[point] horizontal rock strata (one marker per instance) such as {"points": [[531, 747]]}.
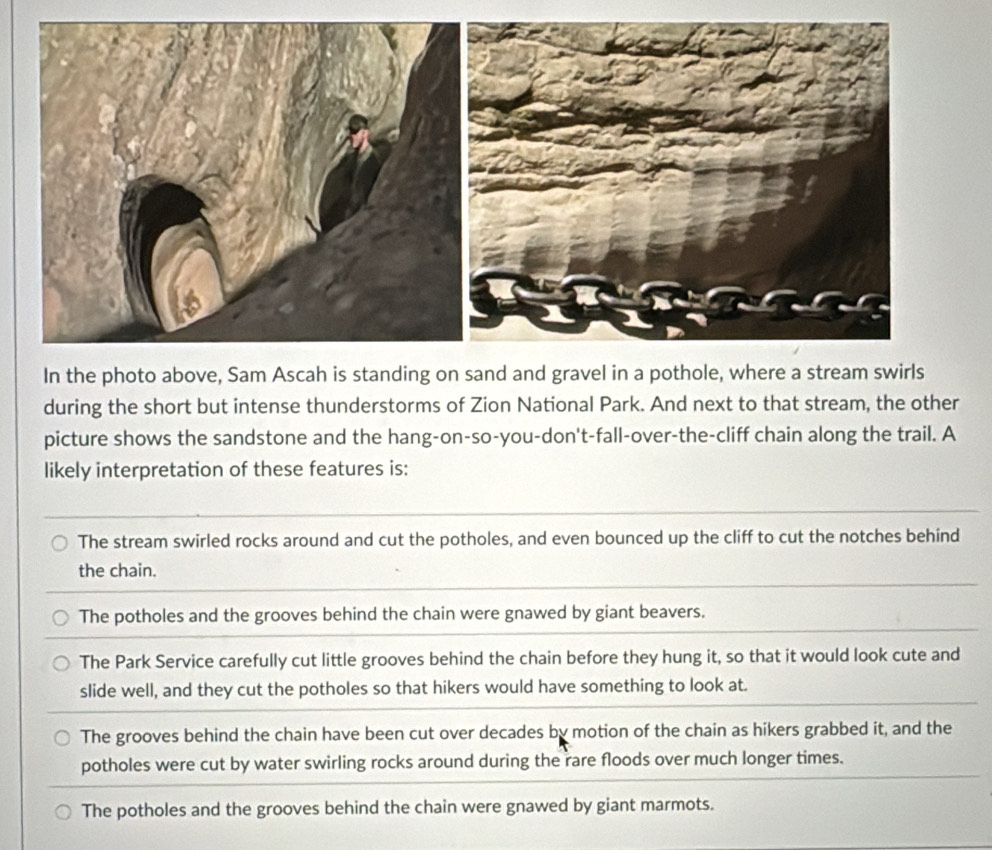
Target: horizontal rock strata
{"points": [[750, 154]]}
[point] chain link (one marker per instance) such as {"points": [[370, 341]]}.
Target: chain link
{"points": [[664, 302]]}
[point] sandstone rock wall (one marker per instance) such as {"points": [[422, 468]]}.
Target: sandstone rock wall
{"points": [[393, 270], [753, 154], [249, 117]]}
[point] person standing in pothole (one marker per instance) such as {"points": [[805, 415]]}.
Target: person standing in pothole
{"points": [[367, 163]]}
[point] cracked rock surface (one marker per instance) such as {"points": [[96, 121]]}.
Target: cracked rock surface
{"points": [[748, 154]]}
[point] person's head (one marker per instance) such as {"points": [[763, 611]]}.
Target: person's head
{"points": [[358, 131]]}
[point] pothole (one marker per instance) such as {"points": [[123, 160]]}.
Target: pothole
{"points": [[172, 268]]}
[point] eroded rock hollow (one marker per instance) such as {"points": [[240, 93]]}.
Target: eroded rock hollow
{"points": [[248, 118]]}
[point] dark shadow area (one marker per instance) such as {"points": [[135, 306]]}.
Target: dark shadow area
{"points": [[335, 192], [393, 270], [332, 207], [850, 248], [150, 206]]}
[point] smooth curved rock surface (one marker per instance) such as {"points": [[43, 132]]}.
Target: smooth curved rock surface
{"points": [[248, 116], [393, 270]]}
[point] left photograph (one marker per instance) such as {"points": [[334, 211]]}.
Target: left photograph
{"points": [[242, 182]]}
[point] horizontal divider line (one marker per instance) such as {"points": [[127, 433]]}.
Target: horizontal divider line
{"points": [[350, 635], [530, 781], [483, 708], [441, 515], [875, 585]]}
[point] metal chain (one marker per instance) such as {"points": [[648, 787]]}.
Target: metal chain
{"points": [[664, 302]]}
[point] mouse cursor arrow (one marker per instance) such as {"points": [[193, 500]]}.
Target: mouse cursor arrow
{"points": [[562, 743]]}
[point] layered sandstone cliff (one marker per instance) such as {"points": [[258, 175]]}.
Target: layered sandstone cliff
{"points": [[750, 154]]}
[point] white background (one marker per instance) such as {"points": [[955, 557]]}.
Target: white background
{"points": [[940, 193]]}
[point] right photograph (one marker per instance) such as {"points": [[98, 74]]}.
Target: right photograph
{"points": [[679, 180]]}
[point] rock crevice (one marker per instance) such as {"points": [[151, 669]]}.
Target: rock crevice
{"points": [[393, 270]]}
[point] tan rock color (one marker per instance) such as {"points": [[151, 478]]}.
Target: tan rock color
{"points": [[186, 275], [393, 270], [249, 117], [704, 153]]}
